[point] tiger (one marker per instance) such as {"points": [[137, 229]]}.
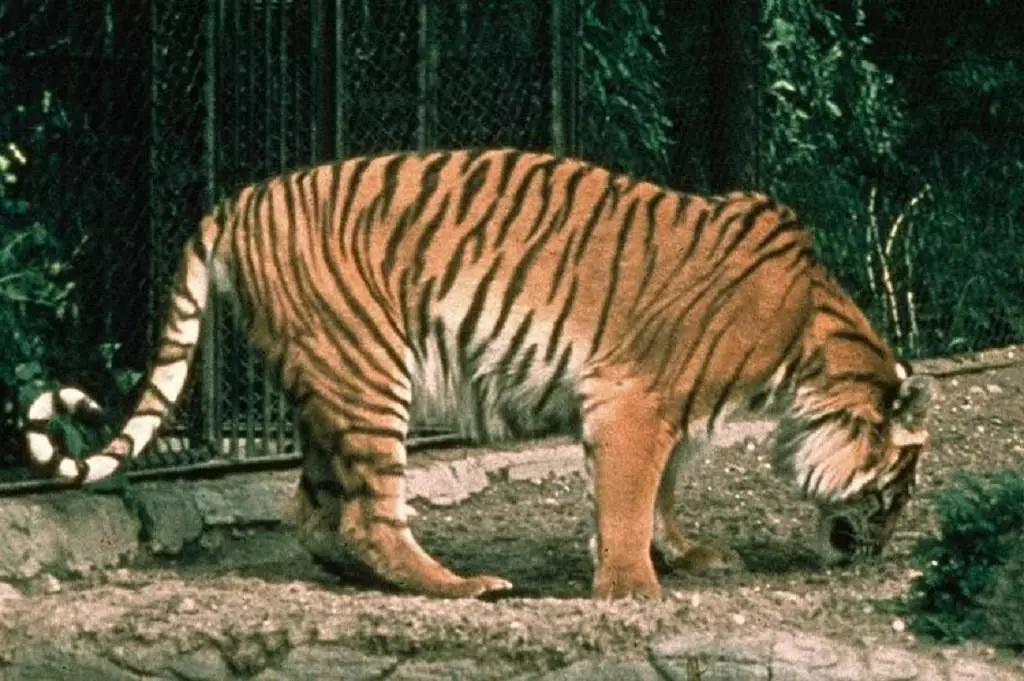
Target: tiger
{"points": [[517, 292]]}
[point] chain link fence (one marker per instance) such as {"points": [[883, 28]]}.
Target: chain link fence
{"points": [[169, 104]]}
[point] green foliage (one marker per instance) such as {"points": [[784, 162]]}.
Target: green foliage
{"points": [[969, 584], [38, 318], [624, 124], [34, 286], [922, 151], [834, 126], [828, 102]]}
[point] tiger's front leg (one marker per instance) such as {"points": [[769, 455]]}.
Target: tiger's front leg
{"points": [[628, 436], [351, 504]]}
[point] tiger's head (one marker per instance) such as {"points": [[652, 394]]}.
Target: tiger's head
{"points": [[858, 459]]}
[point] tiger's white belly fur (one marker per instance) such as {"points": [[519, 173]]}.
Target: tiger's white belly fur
{"points": [[483, 401]]}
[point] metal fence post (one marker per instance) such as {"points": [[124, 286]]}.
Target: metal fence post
{"points": [[209, 387], [427, 64], [324, 70], [564, 76]]}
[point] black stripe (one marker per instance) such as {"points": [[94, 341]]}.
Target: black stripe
{"points": [[392, 170], [198, 247], [351, 190], [157, 392], [471, 186], [712, 344], [468, 326], [699, 225], [787, 226], [522, 371], [556, 379], [518, 338], [609, 194], [729, 386], [37, 425], [423, 313], [613, 281], [247, 277], [309, 490], [278, 253], [426, 238], [750, 218], [339, 386], [391, 522], [855, 336], [441, 335], [561, 268], [520, 196], [453, 269], [559, 325], [390, 470], [517, 280], [428, 186]]}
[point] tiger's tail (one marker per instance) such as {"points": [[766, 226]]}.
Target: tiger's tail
{"points": [[164, 384]]}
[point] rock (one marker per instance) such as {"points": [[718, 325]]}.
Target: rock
{"points": [[169, 517], [596, 670], [322, 662], [69, 531]]}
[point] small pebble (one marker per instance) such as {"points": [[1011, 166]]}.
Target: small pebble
{"points": [[50, 584], [739, 619], [899, 626]]}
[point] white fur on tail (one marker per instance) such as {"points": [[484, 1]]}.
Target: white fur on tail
{"points": [[164, 384]]}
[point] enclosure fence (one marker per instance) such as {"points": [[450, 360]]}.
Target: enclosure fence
{"points": [[135, 115], [168, 104]]}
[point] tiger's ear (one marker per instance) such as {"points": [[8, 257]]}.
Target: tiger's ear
{"points": [[909, 411]]}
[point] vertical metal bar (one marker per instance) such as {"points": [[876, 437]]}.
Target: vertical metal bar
{"points": [[564, 76], [323, 72], [210, 394], [317, 49], [282, 75], [268, 395], [283, 405], [254, 157], [338, 68], [429, 58], [233, 428]]}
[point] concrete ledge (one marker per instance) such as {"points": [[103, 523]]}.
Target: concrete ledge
{"points": [[72, 532], [75, 531]]}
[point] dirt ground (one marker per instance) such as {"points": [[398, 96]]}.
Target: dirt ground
{"points": [[535, 533]]}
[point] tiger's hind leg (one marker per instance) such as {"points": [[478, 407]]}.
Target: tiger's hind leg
{"points": [[670, 545], [354, 493]]}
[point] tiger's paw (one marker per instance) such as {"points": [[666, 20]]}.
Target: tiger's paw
{"points": [[700, 559], [473, 587], [626, 583]]}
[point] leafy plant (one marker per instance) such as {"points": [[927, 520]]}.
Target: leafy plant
{"points": [[624, 122], [969, 583], [37, 311], [34, 286]]}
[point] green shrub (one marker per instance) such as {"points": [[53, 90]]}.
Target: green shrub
{"points": [[39, 343], [623, 121], [970, 581], [34, 283]]}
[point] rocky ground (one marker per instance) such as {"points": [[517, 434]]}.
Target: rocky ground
{"points": [[244, 601]]}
